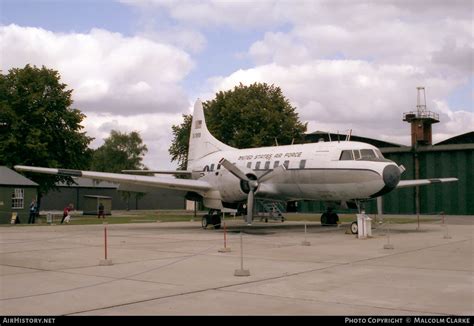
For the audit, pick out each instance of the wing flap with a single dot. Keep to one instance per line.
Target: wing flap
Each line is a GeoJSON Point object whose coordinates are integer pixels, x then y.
{"type": "Point", "coordinates": [180, 172]}
{"type": "Point", "coordinates": [422, 182]}
{"type": "Point", "coordinates": [150, 181]}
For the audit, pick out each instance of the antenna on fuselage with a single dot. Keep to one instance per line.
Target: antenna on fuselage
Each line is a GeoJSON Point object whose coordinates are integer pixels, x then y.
{"type": "Point", "coordinates": [348, 136]}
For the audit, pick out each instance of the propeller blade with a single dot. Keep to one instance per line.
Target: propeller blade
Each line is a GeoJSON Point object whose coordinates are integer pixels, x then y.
{"type": "Point", "coordinates": [233, 169]}
{"type": "Point", "coordinates": [267, 176]}
{"type": "Point", "coordinates": [250, 201]}
{"type": "Point", "coordinates": [401, 168]}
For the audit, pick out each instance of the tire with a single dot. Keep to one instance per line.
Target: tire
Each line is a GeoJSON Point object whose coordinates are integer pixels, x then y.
{"type": "Point", "coordinates": [216, 221]}
{"type": "Point", "coordinates": [324, 219]}
{"type": "Point", "coordinates": [204, 222]}
{"type": "Point", "coordinates": [354, 228]}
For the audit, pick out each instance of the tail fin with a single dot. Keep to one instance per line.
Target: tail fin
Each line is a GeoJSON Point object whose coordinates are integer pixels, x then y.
{"type": "Point", "coordinates": [201, 142]}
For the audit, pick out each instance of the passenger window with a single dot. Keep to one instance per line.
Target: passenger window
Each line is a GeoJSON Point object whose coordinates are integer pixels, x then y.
{"type": "Point", "coordinates": [249, 165]}
{"type": "Point", "coordinates": [257, 166]}
{"type": "Point", "coordinates": [367, 154]}
{"type": "Point", "coordinates": [275, 165]}
{"type": "Point", "coordinates": [212, 167]}
{"type": "Point", "coordinates": [302, 164]}
{"type": "Point", "coordinates": [267, 165]}
{"type": "Point", "coordinates": [356, 154]}
{"type": "Point", "coordinates": [218, 166]}
{"type": "Point", "coordinates": [346, 156]}
{"type": "Point", "coordinates": [286, 164]}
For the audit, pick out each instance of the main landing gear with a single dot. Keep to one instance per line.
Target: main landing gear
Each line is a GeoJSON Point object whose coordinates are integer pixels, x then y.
{"type": "Point", "coordinates": [212, 218]}
{"type": "Point", "coordinates": [329, 218]}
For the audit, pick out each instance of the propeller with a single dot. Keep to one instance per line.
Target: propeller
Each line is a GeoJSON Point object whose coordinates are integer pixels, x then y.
{"type": "Point", "coordinates": [401, 168]}
{"type": "Point", "coordinates": [252, 184]}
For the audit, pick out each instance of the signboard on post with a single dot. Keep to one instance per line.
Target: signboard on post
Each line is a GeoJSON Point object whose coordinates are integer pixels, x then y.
{"type": "Point", "coordinates": [14, 217]}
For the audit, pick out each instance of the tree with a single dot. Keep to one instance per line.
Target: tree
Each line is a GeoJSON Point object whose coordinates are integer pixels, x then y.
{"type": "Point", "coordinates": [247, 116]}
{"type": "Point", "coordinates": [120, 151]}
{"type": "Point", "coordinates": [180, 144]}
{"type": "Point", "coordinates": [38, 126]}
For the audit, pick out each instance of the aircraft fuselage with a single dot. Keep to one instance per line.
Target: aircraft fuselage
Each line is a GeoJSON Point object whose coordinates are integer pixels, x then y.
{"type": "Point", "coordinates": [316, 171]}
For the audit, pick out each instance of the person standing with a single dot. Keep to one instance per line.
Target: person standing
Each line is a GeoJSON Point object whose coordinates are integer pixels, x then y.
{"type": "Point", "coordinates": [66, 211]}
{"type": "Point", "coordinates": [101, 211]}
{"type": "Point", "coordinates": [33, 209]}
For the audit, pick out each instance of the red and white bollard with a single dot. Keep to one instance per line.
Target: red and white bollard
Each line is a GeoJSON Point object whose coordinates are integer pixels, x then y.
{"type": "Point", "coordinates": [225, 249]}
{"type": "Point", "coordinates": [105, 261]}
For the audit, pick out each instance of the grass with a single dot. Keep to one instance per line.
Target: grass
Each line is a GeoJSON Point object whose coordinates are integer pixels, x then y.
{"type": "Point", "coordinates": [182, 216]}
{"type": "Point", "coordinates": [123, 219]}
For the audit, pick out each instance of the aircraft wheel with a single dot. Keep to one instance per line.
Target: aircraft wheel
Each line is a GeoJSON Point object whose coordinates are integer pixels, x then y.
{"type": "Point", "coordinates": [354, 228]}
{"type": "Point", "coordinates": [324, 219]}
{"type": "Point", "coordinates": [216, 220]}
{"type": "Point", "coordinates": [204, 222]}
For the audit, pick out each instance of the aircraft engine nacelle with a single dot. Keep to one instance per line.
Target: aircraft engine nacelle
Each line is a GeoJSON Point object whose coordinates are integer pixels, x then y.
{"type": "Point", "coordinates": [231, 188]}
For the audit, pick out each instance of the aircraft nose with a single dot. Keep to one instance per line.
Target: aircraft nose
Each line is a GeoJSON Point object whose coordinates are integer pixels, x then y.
{"type": "Point", "coordinates": [391, 176]}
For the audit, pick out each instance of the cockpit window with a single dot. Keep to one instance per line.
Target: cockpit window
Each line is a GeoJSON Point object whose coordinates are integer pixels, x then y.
{"type": "Point", "coordinates": [379, 153]}
{"type": "Point", "coordinates": [362, 155]}
{"type": "Point", "coordinates": [346, 155]}
{"type": "Point", "coordinates": [356, 154]}
{"type": "Point", "coordinates": [367, 154]}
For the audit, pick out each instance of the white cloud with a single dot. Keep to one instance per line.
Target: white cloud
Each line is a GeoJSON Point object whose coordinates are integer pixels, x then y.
{"type": "Point", "coordinates": [121, 83]}
{"type": "Point", "coordinates": [356, 65]}
{"type": "Point", "coordinates": [154, 128]}
{"type": "Point", "coordinates": [343, 64]}
{"type": "Point", "coordinates": [365, 97]}
{"type": "Point", "coordinates": [183, 38]}
{"type": "Point", "coordinates": [237, 14]}
{"type": "Point", "coordinates": [108, 72]}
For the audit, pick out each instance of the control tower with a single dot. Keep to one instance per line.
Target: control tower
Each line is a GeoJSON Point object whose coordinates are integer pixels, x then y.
{"type": "Point", "coordinates": [421, 120]}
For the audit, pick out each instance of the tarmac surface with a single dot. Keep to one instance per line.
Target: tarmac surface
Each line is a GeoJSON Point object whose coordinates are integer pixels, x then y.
{"type": "Point", "coordinates": [176, 269]}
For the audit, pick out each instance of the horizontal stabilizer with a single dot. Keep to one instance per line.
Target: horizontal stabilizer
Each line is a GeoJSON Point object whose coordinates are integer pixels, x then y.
{"type": "Point", "coordinates": [422, 182]}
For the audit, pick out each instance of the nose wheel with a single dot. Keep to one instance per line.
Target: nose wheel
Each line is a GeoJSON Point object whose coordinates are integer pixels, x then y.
{"type": "Point", "coordinates": [354, 228]}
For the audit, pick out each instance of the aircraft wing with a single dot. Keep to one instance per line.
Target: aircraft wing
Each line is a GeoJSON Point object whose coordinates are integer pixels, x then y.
{"type": "Point", "coordinates": [422, 182]}
{"type": "Point", "coordinates": [128, 179]}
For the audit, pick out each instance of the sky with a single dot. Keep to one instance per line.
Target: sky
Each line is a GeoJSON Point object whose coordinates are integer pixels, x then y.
{"type": "Point", "coordinates": [138, 65]}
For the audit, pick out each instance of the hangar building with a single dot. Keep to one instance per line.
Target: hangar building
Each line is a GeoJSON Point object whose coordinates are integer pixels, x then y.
{"type": "Point", "coordinates": [84, 190]}
{"type": "Point", "coordinates": [16, 194]}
